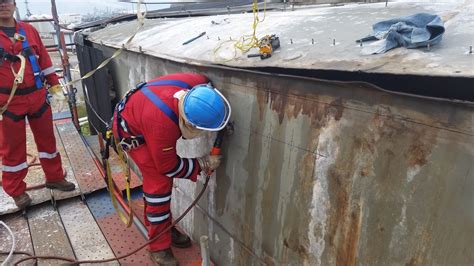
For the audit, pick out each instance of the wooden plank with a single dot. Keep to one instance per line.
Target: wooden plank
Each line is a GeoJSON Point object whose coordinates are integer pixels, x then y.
{"type": "Point", "coordinates": [19, 225]}
{"type": "Point", "coordinates": [85, 170]}
{"type": "Point", "coordinates": [48, 234]}
{"type": "Point", "coordinates": [84, 234]}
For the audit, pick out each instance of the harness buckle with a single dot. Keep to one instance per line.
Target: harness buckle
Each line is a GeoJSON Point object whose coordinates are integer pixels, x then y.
{"type": "Point", "coordinates": [130, 143]}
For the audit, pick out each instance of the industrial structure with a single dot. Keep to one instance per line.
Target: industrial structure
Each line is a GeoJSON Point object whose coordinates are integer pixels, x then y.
{"type": "Point", "coordinates": [337, 157]}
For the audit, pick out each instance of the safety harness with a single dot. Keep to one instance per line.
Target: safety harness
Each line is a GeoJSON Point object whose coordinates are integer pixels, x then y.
{"type": "Point", "coordinates": [26, 52]}
{"type": "Point", "coordinates": [123, 145]}
{"type": "Point", "coordinates": [136, 140]}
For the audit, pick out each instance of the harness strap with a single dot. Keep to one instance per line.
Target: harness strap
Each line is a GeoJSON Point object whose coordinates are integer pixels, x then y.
{"type": "Point", "coordinates": [160, 104]}
{"type": "Point", "coordinates": [18, 91]}
{"type": "Point", "coordinates": [35, 115]}
{"type": "Point", "coordinates": [33, 60]}
{"type": "Point", "coordinates": [137, 140]}
{"type": "Point", "coordinates": [7, 56]}
{"type": "Point", "coordinates": [14, 117]}
{"type": "Point", "coordinates": [40, 112]}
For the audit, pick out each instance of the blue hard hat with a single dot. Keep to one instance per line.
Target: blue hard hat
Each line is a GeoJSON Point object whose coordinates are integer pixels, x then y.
{"type": "Point", "coordinates": [206, 108]}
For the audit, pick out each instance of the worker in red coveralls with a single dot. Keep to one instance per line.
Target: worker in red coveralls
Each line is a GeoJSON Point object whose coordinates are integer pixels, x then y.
{"type": "Point", "coordinates": [20, 42]}
{"type": "Point", "coordinates": [147, 123]}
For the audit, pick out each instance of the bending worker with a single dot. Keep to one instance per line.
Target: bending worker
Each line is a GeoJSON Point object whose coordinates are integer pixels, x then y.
{"type": "Point", "coordinates": [147, 123]}
{"type": "Point", "coordinates": [24, 96]}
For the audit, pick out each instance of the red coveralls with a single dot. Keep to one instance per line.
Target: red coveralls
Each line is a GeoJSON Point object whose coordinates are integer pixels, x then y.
{"type": "Point", "coordinates": [32, 105]}
{"type": "Point", "coordinates": [157, 158]}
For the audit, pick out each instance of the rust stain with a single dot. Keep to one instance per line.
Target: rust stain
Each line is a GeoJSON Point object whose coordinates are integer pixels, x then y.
{"type": "Point", "coordinates": [420, 252]}
{"type": "Point", "coordinates": [346, 218]}
{"type": "Point", "coordinates": [421, 147]}
{"type": "Point", "coordinates": [269, 261]}
{"type": "Point", "coordinates": [290, 103]}
{"type": "Point", "coordinates": [293, 245]}
{"type": "Point", "coordinates": [262, 96]}
{"type": "Point", "coordinates": [352, 245]}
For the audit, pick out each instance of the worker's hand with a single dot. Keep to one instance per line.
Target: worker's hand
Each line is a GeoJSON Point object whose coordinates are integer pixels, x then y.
{"type": "Point", "coordinates": [209, 163]}
{"type": "Point", "coordinates": [58, 100]}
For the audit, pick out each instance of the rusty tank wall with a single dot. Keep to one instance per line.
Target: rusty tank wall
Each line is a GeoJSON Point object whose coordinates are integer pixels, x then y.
{"type": "Point", "coordinates": [325, 173]}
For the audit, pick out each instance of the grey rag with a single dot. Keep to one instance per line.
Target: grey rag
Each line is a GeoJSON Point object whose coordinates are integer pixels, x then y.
{"type": "Point", "coordinates": [419, 30]}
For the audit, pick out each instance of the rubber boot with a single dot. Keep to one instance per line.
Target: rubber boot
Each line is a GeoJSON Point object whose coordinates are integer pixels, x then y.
{"type": "Point", "coordinates": [164, 257]}
{"type": "Point", "coordinates": [179, 239]}
{"type": "Point", "coordinates": [22, 201]}
{"type": "Point", "coordinates": [62, 185]}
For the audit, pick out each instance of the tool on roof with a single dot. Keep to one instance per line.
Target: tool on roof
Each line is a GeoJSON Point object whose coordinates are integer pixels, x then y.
{"type": "Point", "coordinates": [195, 38]}
{"type": "Point", "coordinates": [267, 45]}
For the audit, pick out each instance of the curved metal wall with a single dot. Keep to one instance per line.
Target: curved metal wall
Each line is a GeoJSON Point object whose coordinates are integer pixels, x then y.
{"type": "Point", "coordinates": [325, 173]}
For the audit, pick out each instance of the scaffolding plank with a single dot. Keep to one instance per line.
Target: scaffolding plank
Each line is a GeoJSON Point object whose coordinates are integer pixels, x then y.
{"type": "Point", "coordinates": [186, 256]}
{"type": "Point", "coordinates": [19, 226]}
{"type": "Point", "coordinates": [86, 172]}
{"type": "Point", "coordinates": [115, 167]}
{"type": "Point", "coordinates": [35, 177]}
{"type": "Point", "coordinates": [115, 230]}
{"type": "Point", "coordinates": [84, 234]}
{"type": "Point", "coordinates": [48, 234]}
{"type": "Point", "coordinates": [61, 115]}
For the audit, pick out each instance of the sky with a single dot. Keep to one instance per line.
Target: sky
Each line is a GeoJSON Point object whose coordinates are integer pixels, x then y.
{"type": "Point", "coordinates": [76, 6]}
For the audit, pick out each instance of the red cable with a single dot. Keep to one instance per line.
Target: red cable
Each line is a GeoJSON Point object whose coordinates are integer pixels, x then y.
{"type": "Point", "coordinates": [75, 262]}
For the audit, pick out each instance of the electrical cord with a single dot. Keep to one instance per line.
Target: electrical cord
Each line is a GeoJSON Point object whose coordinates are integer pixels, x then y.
{"type": "Point", "coordinates": [10, 254]}
{"type": "Point", "coordinates": [75, 262]}
{"type": "Point", "coordinates": [246, 42]}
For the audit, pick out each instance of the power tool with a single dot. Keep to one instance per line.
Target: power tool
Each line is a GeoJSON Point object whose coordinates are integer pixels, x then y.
{"type": "Point", "coordinates": [267, 45]}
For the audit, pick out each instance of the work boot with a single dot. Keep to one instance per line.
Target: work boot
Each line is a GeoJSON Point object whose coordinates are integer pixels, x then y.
{"type": "Point", "coordinates": [179, 239]}
{"type": "Point", "coordinates": [164, 257]}
{"type": "Point", "coordinates": [62, 185]}
{"type": "Point", "coordinates": [22, 201]}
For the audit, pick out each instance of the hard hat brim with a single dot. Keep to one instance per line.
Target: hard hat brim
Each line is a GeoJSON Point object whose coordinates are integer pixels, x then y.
{"type": "Point", "coordinates": [227, 110]}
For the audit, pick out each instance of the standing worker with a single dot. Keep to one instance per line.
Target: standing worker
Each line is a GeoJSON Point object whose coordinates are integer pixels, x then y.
{"type": "Point", "coordinates": [24, 68]}
{"type": "Point", "coordinates": [147, 124]}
